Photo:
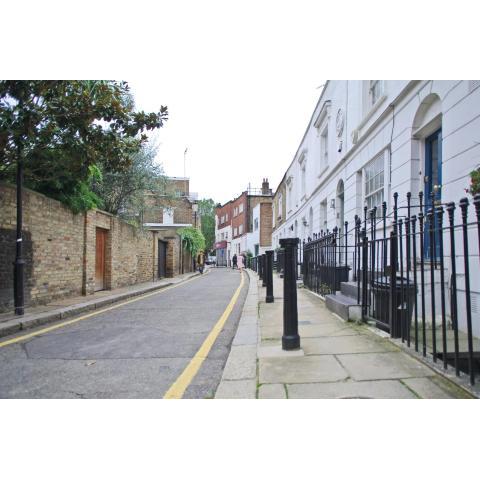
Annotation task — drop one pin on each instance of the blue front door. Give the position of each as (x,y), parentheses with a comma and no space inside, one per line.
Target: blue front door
(433,186)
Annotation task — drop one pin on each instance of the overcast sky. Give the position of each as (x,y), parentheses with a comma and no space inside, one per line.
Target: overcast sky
(239,97)
(240,79)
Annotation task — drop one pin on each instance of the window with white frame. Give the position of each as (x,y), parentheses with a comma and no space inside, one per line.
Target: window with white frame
(240,229)
(226,235)
(374,182)
(324,148)
(223,236)
(235,231)
(304,178)
(235,211)
(375,91)
(323,215)
(226,217)
(222,220)
(289,198)
(240,208)
(255,224)
(280,206)
(168,216)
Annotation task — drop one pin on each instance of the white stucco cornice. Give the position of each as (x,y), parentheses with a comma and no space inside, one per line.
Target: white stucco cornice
(302,157)
(323,113)
(305,134)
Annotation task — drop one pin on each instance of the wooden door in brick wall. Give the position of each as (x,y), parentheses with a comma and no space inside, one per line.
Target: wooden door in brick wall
(101,242)
(162,259)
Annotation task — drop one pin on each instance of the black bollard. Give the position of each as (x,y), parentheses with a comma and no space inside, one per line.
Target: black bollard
(264,270)
(290,338)
(269,276)
(260,273)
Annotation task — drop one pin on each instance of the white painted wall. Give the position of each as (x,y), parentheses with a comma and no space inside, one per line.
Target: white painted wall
(397,125)
(227,236)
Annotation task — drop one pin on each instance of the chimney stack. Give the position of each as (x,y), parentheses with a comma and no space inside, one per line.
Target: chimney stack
(266,187)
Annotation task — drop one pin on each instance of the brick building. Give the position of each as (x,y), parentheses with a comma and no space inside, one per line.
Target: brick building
(279,212)
(223,234)
(247,220)
(166,214)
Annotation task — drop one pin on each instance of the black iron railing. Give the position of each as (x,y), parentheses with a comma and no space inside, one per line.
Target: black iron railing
(324,263)
(416,274)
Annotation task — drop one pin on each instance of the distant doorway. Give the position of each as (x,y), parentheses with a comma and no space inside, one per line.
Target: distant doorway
(162,259)
(100,248)
(340,214)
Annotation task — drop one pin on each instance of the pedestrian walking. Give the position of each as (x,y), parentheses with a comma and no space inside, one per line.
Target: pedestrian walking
(244,255)
(234,261)
(201,261)
(241,263)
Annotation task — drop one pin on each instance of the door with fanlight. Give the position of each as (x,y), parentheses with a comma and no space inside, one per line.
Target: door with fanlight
(433,189)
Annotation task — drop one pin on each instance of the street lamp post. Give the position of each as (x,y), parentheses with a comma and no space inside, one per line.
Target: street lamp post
(195,210)
(18,270)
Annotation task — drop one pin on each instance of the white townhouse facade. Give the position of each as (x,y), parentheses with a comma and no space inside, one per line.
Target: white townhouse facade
(223,243)
(368,139)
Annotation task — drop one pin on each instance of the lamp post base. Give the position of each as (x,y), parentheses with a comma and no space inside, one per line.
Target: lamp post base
(291,342)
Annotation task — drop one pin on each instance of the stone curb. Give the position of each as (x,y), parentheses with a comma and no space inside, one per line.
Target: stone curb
(239,377)
(26,322)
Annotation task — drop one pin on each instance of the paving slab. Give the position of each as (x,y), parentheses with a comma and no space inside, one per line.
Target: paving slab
(345,344)
(237,389)
(434,388)
(378,366)
(271,332)
(350,389)
(329,330)
(314,368)
(241,363)
(272,391)
(269,351)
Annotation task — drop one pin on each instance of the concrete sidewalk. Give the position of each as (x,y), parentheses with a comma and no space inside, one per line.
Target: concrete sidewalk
(69,307)
(336,360)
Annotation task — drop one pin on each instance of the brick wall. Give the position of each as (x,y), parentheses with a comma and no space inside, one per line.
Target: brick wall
(224,211)
(240,218)
(59,248)
(265,224)
(183,212)
(174,252)
(182,209)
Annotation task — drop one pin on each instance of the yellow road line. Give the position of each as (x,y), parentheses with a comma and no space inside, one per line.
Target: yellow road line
(96,312)
(183,381)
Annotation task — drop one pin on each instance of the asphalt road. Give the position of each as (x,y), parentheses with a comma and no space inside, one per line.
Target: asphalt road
(137,350)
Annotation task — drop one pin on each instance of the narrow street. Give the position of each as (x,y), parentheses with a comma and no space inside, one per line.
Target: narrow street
(136,350)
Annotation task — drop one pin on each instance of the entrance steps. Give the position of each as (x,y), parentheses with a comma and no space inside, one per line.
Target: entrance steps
(344,303)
